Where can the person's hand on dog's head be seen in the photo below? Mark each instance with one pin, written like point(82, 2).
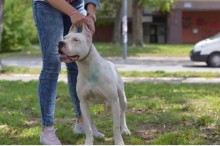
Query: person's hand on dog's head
point(78, 19)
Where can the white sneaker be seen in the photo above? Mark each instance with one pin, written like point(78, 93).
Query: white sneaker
point(80, 129)
point(48, 137)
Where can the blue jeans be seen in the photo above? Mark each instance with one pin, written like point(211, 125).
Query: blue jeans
point(52, 25)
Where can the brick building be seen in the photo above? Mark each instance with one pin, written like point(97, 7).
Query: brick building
point(189, 21)
point(193, 20)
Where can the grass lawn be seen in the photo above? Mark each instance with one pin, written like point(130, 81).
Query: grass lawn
point(108, 49)
point(160, 50)
point(158, 113)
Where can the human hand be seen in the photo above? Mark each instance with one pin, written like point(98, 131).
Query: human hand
point(77, 19)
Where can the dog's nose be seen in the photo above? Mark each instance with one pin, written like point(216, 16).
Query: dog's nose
point(60, 51)
point(61, 44)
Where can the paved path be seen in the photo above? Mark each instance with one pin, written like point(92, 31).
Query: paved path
point(29, 77)
point(167, 64)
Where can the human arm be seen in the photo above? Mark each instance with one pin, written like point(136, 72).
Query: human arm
point(91, 18)
point(62, 5)
point(90, 6)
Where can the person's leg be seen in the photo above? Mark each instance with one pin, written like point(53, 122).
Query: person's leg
point(49, 25)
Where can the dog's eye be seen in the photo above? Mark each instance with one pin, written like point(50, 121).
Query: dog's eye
point(75, 39)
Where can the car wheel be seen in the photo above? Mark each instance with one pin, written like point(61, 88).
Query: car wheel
point(214, 60)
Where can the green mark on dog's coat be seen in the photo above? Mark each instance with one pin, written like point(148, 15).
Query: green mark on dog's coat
point(93, 77)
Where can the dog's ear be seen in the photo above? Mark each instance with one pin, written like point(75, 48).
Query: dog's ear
point(73, 29)
point(86, 32)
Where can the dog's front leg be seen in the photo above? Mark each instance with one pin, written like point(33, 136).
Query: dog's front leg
point(86, 120)
point(116, 122)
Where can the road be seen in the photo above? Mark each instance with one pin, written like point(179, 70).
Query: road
point(167, 64)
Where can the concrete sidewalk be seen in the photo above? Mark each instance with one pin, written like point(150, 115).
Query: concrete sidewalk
point(167, 64)
point(29, 77)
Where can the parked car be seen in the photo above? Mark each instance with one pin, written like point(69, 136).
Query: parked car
point(208, 51)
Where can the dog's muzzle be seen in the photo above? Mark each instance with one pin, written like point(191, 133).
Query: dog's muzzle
point(64, 57)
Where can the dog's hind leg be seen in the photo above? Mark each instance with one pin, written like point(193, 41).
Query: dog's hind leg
point(123, 106)
point(116, 120)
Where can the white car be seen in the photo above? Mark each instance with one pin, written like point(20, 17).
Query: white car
point(208, 51)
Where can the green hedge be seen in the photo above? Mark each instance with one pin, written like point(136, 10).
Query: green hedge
point(19, 31)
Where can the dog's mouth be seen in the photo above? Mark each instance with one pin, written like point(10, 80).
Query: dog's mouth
point(68, 59)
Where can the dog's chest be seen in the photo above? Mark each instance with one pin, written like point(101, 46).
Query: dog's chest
point(94, 81)
point(92, 87)
point(95, 94)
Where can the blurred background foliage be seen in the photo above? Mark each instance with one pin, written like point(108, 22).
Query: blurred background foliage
point(19, 29)
point(19, 32)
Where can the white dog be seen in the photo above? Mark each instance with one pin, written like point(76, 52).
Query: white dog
point(98, 81)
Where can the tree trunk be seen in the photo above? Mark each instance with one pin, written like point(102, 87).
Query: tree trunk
point(1, 21)
point(117, 24)
point(1, 65)
point(137, 26)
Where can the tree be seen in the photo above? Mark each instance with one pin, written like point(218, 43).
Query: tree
point(137, 28)
point(117, 24)
point(160, 5)
point(1, 20)
point(1, 27)
point(19, 32)
point(113, 9)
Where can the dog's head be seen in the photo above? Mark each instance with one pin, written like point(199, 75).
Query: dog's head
point(75, 46)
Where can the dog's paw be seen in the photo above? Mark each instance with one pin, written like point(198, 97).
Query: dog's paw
point(125, 131)
point(118, 140)
point(119, 143)
point(98, 135)
point(89, 142)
